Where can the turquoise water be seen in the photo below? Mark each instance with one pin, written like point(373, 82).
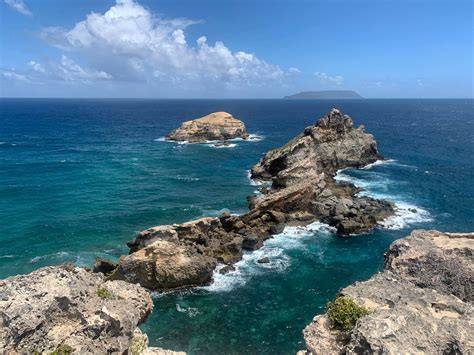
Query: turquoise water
point(78, 178)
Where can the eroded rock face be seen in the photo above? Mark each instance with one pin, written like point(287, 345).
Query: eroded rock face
point(303, 191)
point(69, 307)
point(331, 144)
point(409, 314)
point(215, 126)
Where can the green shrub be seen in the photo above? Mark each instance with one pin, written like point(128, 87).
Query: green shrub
point(103, 293)
point(344, 313)
point(63, 349)
point(138, 345)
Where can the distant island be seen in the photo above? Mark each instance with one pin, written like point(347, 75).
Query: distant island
point(327, 94)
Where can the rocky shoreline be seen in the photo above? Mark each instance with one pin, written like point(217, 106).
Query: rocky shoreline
point(421, 303)
point(303, 190)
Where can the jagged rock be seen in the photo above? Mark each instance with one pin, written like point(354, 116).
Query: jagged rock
point(431, 259)
point(69, 307)
point(407, 313)
point(215, 126)
point(263, 260)
point(303, 191)
point(329, 145)
point(104, 266)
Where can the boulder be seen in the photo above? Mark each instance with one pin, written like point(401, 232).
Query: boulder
point(215, 126)
point(165, 265)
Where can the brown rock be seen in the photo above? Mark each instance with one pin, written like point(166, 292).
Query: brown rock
point(215, 126)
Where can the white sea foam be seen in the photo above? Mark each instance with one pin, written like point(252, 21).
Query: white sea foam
point(257, 182)
point(255, 137)
point(189, 310)
point(217, 143)
point(378, 187)
point(274, 249)
point(8, 256)
point(378, 163)
point(406, 214)
point(53, 255)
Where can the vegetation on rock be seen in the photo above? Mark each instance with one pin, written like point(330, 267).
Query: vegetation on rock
point(344, 313)
point(103, 293)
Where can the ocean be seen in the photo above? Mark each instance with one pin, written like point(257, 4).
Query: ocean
point(79, 178)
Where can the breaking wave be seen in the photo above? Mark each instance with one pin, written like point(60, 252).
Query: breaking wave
point(378, 186)
point(273, 249)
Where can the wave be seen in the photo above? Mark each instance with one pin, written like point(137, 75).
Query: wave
point(274, 249)
point(7, 144)
point(257, 182)
point(378, 186)
point(220, 145)
point(405, 215)
point(59, 254)
point(378, 163)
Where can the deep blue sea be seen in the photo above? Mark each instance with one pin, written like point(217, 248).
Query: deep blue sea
point(79, 178)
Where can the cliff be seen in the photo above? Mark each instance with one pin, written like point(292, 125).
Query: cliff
point(303, 191)
point(215, 126)
point(421, 303)
point(66, 309)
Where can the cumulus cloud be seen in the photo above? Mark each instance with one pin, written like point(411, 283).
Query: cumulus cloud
point(327, 79)
point(129, 42)
point(19, 5)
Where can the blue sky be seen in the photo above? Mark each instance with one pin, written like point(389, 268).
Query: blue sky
point(235, 48)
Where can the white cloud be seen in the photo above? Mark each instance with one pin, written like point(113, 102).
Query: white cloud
point(71, 71)
point(18, 5)
point(294, 71)
point(36, 67)
point(131, 43)
point(12, 75)
point(326, 79)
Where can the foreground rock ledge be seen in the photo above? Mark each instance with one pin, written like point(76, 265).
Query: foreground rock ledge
point(68, 308)
point(303, 191)
point(421, 303)
point(215, 126)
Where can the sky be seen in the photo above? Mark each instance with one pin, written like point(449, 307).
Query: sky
point(235, 48)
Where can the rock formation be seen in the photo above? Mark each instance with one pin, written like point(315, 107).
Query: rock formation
point(215, 126)
point(71, 310)
point(421, 303)
point(303, 191)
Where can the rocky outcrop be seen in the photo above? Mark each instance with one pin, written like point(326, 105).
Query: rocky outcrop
point(420, 303)
point(329, 145)
point(303, 191)
point(215, 126)
point(66, 309)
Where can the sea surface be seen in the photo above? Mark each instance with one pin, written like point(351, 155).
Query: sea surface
point(79, 178)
